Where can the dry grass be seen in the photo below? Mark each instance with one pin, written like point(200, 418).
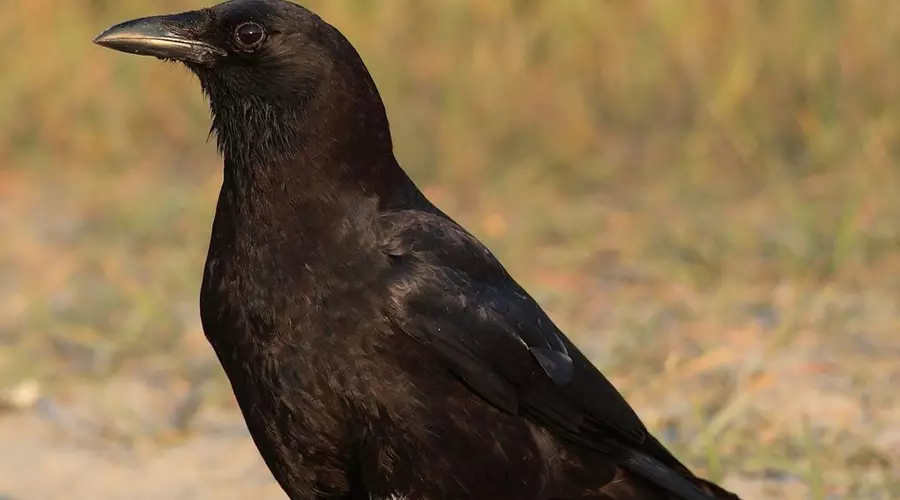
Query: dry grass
point(703, 193)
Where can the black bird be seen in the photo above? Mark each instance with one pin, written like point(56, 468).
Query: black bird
point(375, 347)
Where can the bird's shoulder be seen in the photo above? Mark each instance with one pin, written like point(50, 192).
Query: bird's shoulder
point(433, 238)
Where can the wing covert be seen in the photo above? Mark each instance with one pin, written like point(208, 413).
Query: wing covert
point(451, 293)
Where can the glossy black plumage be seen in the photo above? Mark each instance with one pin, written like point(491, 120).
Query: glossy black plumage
point(374, 346)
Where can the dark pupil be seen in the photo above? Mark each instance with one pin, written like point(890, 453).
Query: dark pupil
point(249, 34)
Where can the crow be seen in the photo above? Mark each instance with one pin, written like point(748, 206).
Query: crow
point(375, 348)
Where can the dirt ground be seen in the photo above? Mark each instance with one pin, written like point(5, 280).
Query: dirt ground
point(38, 467)
point(51, 453)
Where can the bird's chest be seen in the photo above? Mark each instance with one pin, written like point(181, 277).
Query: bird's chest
point(261, 302)
point(273, 323)
point(297, 368)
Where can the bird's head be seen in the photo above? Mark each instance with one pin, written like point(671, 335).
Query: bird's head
point(279, 79)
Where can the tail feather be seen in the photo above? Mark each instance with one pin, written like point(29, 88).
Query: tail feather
point(682, 486)
point(717, 491)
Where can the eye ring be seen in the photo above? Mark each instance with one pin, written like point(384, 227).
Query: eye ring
point(249, 36)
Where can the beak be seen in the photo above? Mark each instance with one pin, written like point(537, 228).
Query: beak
point(175, 36)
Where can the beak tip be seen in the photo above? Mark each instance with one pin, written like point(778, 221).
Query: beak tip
point(102, 38)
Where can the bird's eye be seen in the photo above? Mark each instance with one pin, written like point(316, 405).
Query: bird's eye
point(249, 36)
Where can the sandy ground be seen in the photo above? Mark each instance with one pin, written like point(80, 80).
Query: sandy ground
point(40, 462)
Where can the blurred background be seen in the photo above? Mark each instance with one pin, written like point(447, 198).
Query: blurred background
point(704, 195)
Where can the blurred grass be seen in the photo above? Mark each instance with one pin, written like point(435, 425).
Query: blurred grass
point(699, 190)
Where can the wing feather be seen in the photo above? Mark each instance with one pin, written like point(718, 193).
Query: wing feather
point(451, 293)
